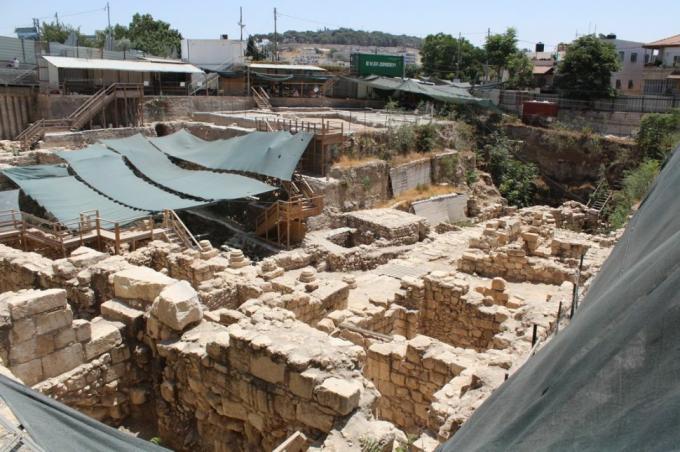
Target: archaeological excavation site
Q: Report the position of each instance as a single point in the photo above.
(301, 278)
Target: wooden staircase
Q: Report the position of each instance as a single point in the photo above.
(175, 231)
(600, 197)
(284, 221)
(93, 106)
(261, 99)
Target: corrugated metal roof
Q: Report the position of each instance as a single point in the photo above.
(673, 41)
(121, 65)
(287, 67)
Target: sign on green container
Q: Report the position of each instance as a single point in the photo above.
(371, 64)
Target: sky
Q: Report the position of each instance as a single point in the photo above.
(549, 22)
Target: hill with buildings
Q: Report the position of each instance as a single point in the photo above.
(346, 36)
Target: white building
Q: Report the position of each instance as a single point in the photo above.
(214, 54)
(632, 60)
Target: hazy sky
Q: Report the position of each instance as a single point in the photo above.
(551, 22)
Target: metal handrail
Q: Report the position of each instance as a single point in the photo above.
(172, 221)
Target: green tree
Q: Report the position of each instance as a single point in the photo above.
(59, 32)
(118, 31)
(447, 57)
(154, 36)
(520, 70)
(251, 49)
(514, 178)
(500, 48)
(587, 67)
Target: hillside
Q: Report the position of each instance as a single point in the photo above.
(346, 36)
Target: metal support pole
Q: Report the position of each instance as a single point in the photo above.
(534, 336)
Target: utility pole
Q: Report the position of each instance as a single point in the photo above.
(459, 50)
(486, 66)
(275, 57)
(108, 16)
(240, 21)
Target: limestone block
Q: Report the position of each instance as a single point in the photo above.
(498, 284)
(83, 330)
(22, 330)
(140, 283)
(33, 302)
(64, 337)
(168, 391)
(302, 384)
(266, 369)
(339, 394)
(121, 312)
(51, 321)
(30, 373)
(86, 257)
(312, 416)
(105, 336)
(137, 396)
(177, 306)
(62, 360)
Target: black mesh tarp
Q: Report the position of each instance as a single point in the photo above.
(611, 379)
(56, 427)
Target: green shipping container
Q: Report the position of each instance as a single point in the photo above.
(370, 64)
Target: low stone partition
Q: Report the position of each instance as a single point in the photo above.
(455, 315)
(407, 374)
(512, 263)
(252, 384)
(399, 228)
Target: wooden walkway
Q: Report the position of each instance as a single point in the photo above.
(31, 233)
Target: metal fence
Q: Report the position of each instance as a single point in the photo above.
(513, 100)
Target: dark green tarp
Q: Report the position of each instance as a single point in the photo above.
(106, 171)
(55, 427)
(35, 172)
(441, 93)
(610, 380)
(274, 154)
(201, 184)
(66, 197)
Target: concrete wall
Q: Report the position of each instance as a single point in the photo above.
(618, 123)
(410, 175)
(331, 102)
(16, 111)
(442, 209)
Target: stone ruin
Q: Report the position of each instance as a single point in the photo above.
(376, 331)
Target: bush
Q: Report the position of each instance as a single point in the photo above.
(514, 179)
(659, 132)
(425, 137)
(402, 139)
(635, 185)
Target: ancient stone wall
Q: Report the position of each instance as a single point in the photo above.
(454, 315)
(407, 374)
(250, 385)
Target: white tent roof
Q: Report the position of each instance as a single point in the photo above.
(121, 65)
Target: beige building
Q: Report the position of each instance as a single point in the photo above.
(662, 72)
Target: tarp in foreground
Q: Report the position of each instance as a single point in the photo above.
(274, 154)
(66, 197)
(55, 427)
(107, 172)
(201, 184)
(611, 379)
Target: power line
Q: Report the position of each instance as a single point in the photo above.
(75, 14)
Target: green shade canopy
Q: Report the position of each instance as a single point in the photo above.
(201, 184)
(274, 154)
(66, 197)
(107, 173)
